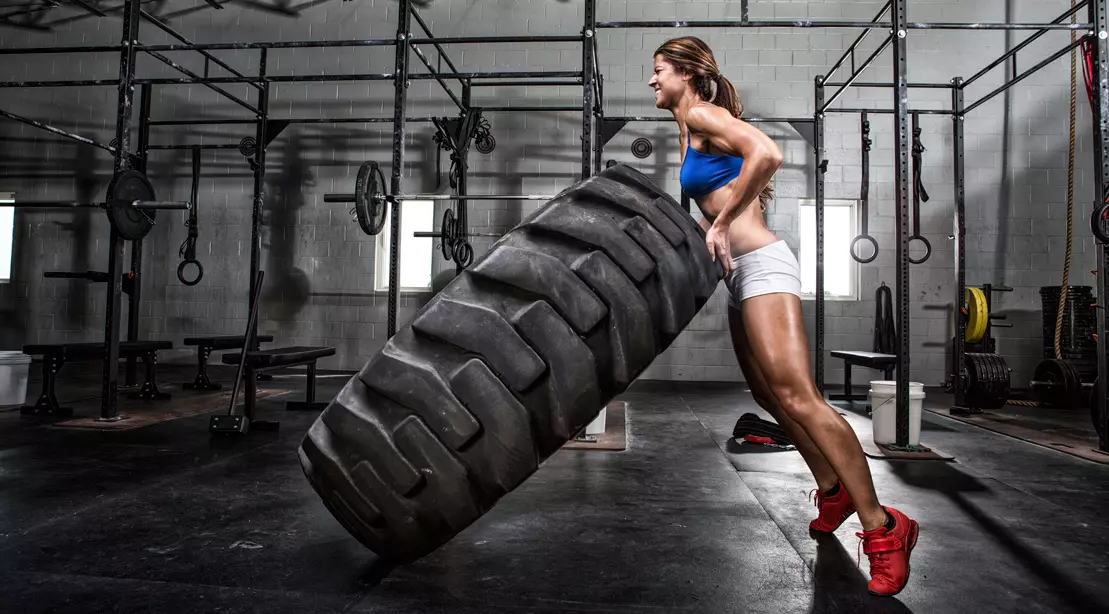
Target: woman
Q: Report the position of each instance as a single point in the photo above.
(727, 165)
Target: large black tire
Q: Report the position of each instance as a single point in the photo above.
(508, 362)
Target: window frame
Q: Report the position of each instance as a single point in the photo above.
(854, 266)
(381, 247)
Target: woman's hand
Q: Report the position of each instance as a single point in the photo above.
(719, 246)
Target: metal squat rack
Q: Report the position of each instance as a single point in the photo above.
(892, 18)
(268, 128)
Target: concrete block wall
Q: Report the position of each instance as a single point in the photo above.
(320, 266)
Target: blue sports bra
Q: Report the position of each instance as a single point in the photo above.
(703, 172)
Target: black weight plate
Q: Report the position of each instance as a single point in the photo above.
(641, 148)
(1074, 386)
(125, 188)
(485, 145)
(1049, 382)
(447, 234)
(1003, 379)
(369, 198)
(1095, 415)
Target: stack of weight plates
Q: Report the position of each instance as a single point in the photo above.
(1079, 326)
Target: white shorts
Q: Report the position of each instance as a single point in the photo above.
(767, 270)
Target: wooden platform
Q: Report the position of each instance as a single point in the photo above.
(136, 414)
(1009, 421)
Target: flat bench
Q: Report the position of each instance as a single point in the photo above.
(871, 360)
(276, 358)
(56, 355)
(204, 347)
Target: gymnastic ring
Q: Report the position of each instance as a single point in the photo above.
(1097, 222)
(464, 254)
(181, 272)
(927, 246)
(856, 255)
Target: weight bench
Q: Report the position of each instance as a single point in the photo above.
(870, 360)
(267, 360)
(56, 355)
(204, 347)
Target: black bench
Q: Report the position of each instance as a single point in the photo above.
(276, 358)
(871, 360)
(56, 355)
(204, 347)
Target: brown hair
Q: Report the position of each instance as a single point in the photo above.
(692, 56)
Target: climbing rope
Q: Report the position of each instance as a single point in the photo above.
(1070, 197)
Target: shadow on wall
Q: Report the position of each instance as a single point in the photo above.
(79, 227)
(287, 295)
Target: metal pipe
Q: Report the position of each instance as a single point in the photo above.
(45, 50)
(168, 30)
(958, 375)
(135, 296)
(515, 109)
(1100, 130)
(930, 86)
(372, 42)
(239, 101)
(292, 120)
(821, 168)
(466, 40)
(587, 75)
(1022, 45)
(750, 120)
(400, 112)
(446, 88)
(902, 195)
(218, 146)
(258, 200)
(806, 23)
(503, 75)
(1024, 75)
(859, 71)
(57, 131)
(524, 83)
(60, 83)
(851, 50)
(890, 111)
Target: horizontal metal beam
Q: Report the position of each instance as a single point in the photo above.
(43, 50)
(1028, 41)
(502, 75)
(300, 120)
(805, 23)
(1024, 75)
(525, 82)
(60, 83)
(365, 77)
(931, 86)
(379, 42)
(466, 40)
(892, 111)
(750, 120)
(525, 109)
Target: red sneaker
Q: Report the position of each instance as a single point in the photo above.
(889, 552)
(833, 510)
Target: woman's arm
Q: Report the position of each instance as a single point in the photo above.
(761, 155)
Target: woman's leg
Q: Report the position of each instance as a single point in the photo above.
(822, 471)
(778, 344)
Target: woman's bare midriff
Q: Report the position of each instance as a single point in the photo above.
(748, 231)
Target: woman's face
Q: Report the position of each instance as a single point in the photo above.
(668, 83)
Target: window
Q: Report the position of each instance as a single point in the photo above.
(416, 253)
(7, 235)
(841, 272)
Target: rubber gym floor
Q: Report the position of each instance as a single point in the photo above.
(164, 519)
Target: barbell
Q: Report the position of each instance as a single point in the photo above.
(371, 200)
(130, 204)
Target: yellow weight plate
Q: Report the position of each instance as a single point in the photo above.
(977, 315)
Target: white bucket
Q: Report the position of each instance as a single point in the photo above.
(883, 407)
(13, 378)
